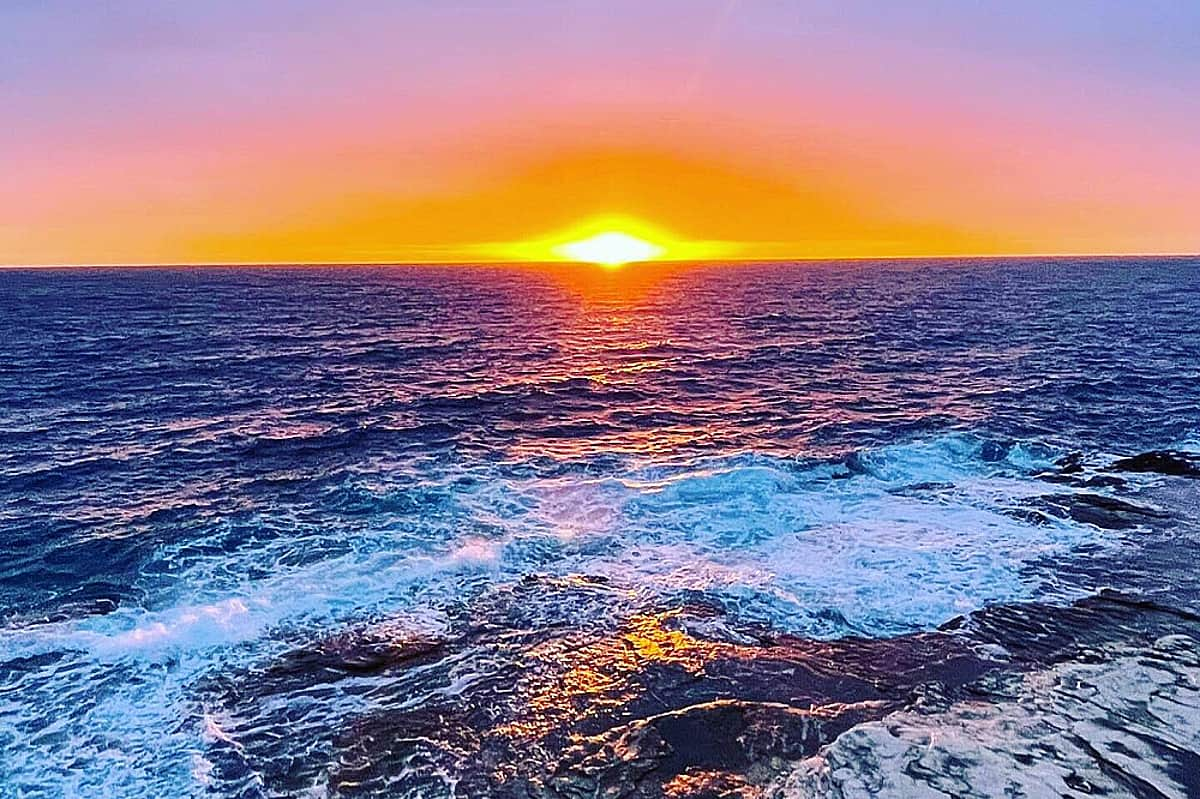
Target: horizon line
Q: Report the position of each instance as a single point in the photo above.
(651, 262)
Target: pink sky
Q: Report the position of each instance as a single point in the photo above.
(412, 131)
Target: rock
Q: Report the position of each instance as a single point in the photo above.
(1104, 512)
(733, 743)
(1127, 727)
(619, 699)
(1168, 462)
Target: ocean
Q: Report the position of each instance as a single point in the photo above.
(897, 528)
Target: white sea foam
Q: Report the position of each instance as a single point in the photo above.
(922, 536)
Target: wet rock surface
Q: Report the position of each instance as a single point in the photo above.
(1107, 513)
(1127, 725)
(1166, 462)
(675, 702)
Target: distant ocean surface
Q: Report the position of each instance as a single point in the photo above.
(814, 529)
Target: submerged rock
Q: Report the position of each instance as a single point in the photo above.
(1034, 635)
(720, 748)
(628, 712)
(1168, 462)
(514, 701)
(1104, 512)
(614, 697)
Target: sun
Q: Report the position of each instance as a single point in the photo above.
(608, 240)
(610, 248)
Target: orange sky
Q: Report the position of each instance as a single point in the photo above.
(769, 130)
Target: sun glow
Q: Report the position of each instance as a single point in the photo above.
(609, 249)
(611, 241)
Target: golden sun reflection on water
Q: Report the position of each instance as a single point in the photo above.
(574, 679)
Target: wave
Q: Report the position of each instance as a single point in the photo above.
(886, 540)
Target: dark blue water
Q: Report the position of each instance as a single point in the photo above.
(200, 468)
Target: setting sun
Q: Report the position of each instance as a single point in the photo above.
(609, 240)
(609, 249)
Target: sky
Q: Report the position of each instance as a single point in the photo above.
(142, 131)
